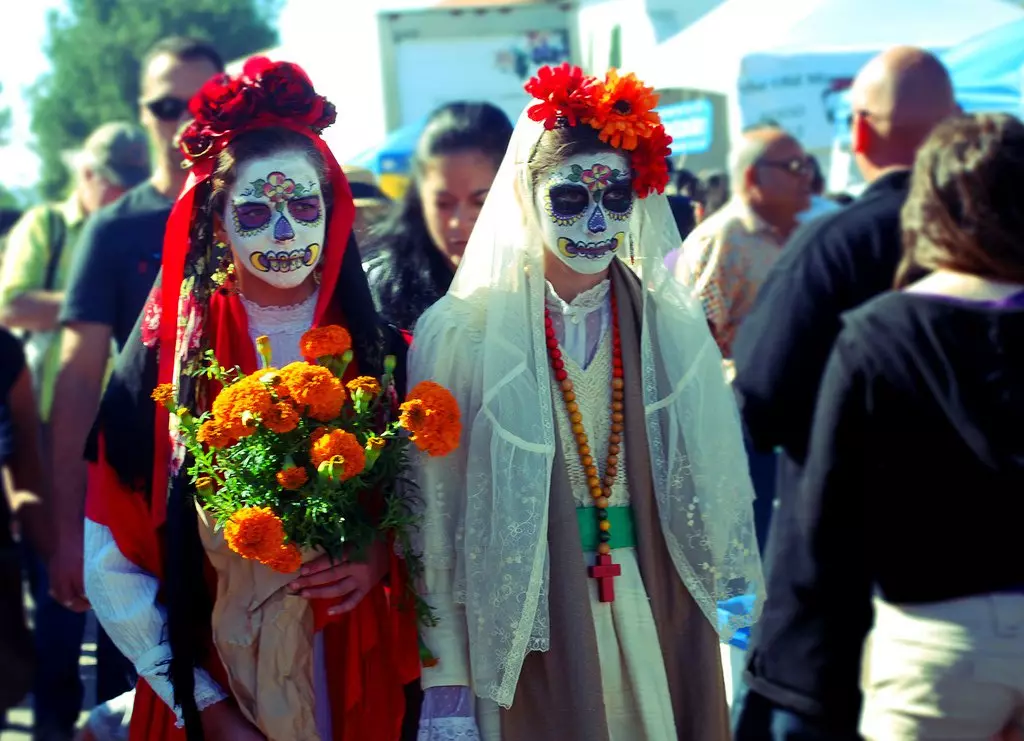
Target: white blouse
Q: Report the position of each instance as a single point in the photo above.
(124, 596)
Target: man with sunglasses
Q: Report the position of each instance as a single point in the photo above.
(114, 269)
(726, 258)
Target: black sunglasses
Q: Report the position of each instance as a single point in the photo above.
(795, 166)
(167, 108)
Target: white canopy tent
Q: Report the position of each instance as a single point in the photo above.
(783, 61)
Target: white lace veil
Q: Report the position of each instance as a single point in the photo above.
(487, 505)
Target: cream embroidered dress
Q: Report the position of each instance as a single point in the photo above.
(636, 693)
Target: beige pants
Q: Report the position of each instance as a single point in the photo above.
(948, 671)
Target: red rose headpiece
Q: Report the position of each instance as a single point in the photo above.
(265, 94)
(620, 108)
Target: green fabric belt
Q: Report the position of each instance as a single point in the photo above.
(623, 532)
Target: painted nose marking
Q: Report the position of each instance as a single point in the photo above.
(283, 230)
(596, 222)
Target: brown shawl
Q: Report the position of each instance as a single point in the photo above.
(559, 696)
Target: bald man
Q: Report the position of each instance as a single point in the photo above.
(804, 667)
(727, 257)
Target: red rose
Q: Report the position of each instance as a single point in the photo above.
(288, 93)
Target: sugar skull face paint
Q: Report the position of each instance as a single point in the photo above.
(585, 207)
(275, 218)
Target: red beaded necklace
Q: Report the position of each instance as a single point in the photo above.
(600, 489)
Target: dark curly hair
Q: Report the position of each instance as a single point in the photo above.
(406, 269)
(964, 210)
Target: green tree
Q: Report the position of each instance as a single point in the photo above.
(95, 48)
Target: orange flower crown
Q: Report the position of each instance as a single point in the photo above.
(621, 108)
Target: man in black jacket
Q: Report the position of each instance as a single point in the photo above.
(830, 266)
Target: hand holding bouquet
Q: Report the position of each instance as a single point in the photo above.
(294, 460)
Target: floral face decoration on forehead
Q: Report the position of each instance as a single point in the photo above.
(275, 218)
(585, 208)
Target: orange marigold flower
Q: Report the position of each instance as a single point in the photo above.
(214, 434)
(314, 389)
(322, 342)
(281, 418)
(237, 405)
(164, 394)
(292, 478)
(287, 560)
(255, 532)
(367, 384)
(332, 444)
(432, 416)
(625, 113)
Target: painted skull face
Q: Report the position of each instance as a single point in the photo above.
(275, 218)
(585, 208)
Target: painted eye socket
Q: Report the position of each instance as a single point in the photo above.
(618, 198)
(569, 200)
(305, 209)
(252, 216)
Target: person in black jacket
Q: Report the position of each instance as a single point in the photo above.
(412, 256)
(831, 265)
(909, 507)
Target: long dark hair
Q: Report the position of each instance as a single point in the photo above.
(964, 211)
(414, 272)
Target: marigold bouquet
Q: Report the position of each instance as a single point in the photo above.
(294, 459)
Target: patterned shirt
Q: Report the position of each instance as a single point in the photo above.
(725, 260)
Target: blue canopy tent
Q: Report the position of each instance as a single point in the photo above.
(391, 159)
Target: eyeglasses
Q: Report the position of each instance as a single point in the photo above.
(795, 166)
(863, 114)
(167, 108)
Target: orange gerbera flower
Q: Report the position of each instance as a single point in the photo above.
(625, 113)
(314, 389)
(164, 395)
(330, 445)
(214, 434)
(323, 342)
(255, 532)
(292, 478)
(238, 405)
(281, 418)
(367, 384)
(432, 416)
(287, 560)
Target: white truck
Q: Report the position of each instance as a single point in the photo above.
(470, 50)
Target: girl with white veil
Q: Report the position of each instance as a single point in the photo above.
(599, 507)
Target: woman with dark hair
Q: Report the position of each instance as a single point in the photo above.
(907, 523)
(258, 244)
(577, 545)
(415, 252)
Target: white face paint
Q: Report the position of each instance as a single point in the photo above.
(276, 218)
(585, 208)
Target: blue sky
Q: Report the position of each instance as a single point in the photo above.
(333, 28)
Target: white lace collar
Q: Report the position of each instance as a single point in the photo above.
(273, 319)
(585, 303)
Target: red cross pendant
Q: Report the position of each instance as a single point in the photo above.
(605, 571)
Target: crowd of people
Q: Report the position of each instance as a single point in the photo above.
(661, 377)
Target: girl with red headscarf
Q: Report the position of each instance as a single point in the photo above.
(258, 244)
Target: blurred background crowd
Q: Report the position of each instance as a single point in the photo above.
(771, 133)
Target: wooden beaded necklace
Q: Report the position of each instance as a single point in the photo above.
(600, 488)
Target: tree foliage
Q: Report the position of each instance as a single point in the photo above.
(95, 48)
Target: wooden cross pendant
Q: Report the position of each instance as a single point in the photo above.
(605, 571)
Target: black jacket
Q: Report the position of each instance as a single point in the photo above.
(829, 266)
(911, 489)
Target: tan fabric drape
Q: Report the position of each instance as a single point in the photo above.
(559, 696)
(270, 671)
